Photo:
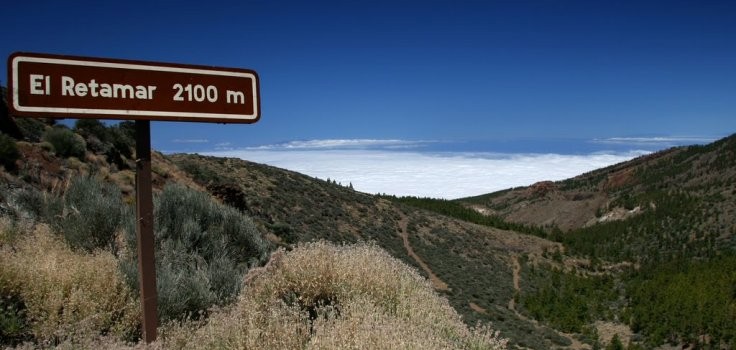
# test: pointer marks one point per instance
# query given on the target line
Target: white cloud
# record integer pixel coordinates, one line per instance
(342, 144)
(440, 175)
(224, 146)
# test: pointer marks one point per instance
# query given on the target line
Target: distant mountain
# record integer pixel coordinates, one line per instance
(689, 192)
(662, 227)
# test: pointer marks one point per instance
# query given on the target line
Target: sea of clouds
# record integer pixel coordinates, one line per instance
(404, 168)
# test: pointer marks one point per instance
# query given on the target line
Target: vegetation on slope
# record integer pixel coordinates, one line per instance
(318, 294)
(686, 214)
(673, 252)
(458, 211)
(296, 208)
(686, 301)
(323, 296)
(568, 301)
(52, 294)
(203, 250)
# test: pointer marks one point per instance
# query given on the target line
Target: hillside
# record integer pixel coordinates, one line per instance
(678, 202)
(470, 264)
(663, 227)
(615, 192)
(612, 254)
(52, 179)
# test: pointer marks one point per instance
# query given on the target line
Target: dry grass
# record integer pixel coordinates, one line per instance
(322, 296)
(318, 296)
(69, 296)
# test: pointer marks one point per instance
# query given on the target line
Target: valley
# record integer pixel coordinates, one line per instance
(568, 264)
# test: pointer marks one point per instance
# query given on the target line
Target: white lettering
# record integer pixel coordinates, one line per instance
(93, 87)
(144, 92)
(235, 97)
(105, 90)
(196, 93)
(36, 84)
(67, 84)
(80, 89)
(122, 89)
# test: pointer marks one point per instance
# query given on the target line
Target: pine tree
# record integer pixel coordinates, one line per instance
(615, 343)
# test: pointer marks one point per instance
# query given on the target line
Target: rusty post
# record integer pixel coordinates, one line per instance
(144, 229)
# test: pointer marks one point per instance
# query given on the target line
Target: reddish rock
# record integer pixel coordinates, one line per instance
(541, 189)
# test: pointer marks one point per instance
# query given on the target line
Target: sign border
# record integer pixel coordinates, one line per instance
(85, 113)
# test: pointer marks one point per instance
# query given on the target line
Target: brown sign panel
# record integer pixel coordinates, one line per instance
(42, 85)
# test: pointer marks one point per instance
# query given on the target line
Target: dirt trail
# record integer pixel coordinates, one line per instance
(437, 283)
(516, 268)
(477, 308)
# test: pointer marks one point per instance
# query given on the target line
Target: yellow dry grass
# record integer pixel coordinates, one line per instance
(69, 296)
(322, 296)
(318, 296)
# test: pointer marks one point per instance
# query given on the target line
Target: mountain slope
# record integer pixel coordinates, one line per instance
(662, 227)
(706, 175)
(622, 225)
(470, 264)
(640, 238)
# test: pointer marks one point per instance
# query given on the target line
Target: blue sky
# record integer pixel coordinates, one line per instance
(450, 72)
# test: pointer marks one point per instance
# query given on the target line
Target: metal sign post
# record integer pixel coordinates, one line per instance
(144, 229)
(43, 85)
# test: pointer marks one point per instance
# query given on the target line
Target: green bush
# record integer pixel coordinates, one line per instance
(8, 152)
(95, 134)
(203, 249)
(122, 137)
(31, 128)
(91, 128)
(121, 144)
(36, 205)
(87, 216)
(93, 212)
(13, 322)
(66, 143)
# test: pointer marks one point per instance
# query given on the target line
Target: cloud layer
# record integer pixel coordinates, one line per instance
(439, 175)
(342, 144)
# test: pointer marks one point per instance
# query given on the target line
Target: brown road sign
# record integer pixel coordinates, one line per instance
(42, 85)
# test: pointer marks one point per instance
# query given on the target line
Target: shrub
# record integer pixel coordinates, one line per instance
(203, 249)
(67, 295)
(31, 128)
(96, 135)
(91, 128)
(121, 140)
(8, 152)
(93, 212)
(122, 137)
(88, 215)
(66, 143)
(322, 296)
(34, 204)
